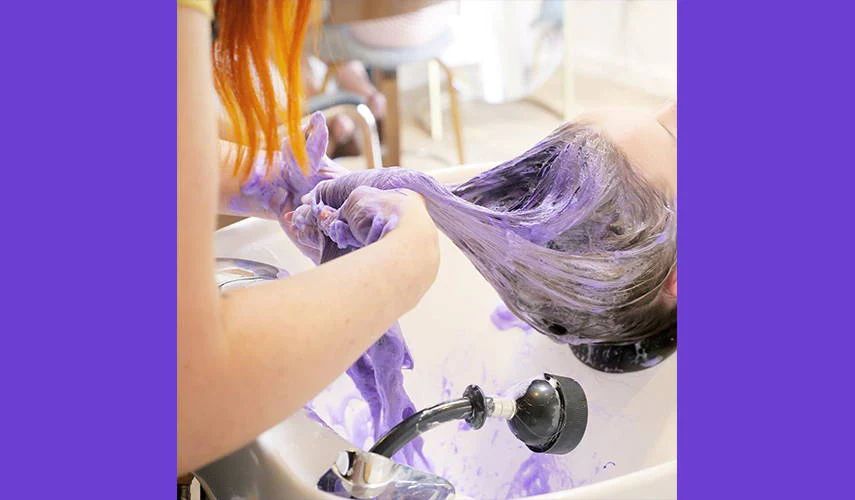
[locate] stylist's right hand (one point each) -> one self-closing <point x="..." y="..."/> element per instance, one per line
<point x="367" y="215"/>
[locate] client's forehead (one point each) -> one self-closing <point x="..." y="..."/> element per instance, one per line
<point x="647" y="145"/>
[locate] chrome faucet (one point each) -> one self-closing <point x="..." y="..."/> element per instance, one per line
<point x="363" y="474"/>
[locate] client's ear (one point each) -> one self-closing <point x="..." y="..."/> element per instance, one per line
<point x="671" y="283"/>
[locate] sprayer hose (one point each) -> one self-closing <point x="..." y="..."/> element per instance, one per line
<point x="419" y="423"/>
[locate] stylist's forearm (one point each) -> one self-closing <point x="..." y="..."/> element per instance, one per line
<point x="287" y="343"/>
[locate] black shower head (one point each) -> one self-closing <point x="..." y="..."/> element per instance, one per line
<point x="551" y="415"/>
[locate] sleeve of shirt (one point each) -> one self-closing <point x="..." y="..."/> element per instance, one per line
<point x="204" y="6"/>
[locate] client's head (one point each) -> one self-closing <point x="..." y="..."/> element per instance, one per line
<point x="590" y="225"/>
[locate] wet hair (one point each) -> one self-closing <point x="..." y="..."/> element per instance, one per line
<point x="576" y="242"/>
<point x="605" y="238"/>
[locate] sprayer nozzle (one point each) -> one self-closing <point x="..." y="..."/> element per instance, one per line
<point x="551" y="415"/>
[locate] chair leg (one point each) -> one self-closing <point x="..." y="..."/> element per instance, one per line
<point x="435" y="100"/>
<point x="392" y="122"/>
<point x="455" y="111"/>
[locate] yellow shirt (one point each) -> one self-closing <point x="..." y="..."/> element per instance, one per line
<point x="204" y="6"/>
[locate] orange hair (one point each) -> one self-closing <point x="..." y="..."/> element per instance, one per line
<point x="251" y="35"/>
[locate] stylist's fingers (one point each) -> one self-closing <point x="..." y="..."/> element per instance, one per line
<point x="327" y="192"/>
<point x="336" y="212"/>
<point x="303" y="230"/>
<point x="370" y="213"/>
<point x="366" y="199"/>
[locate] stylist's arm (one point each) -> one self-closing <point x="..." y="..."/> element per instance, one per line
<point x="250" y="358"/>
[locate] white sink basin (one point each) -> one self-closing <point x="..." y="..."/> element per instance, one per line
<point x="629" y="449"/>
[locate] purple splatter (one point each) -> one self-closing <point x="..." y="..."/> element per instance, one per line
<point x="504" y="319"/>
<point x="539" y="474"/>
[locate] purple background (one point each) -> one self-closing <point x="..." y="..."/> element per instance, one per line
<point x="88" y="182"/>
<point x="88" y="134"/>
<point x="765" y="263"/>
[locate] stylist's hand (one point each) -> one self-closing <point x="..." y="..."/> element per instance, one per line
<point x="366" y="216"/>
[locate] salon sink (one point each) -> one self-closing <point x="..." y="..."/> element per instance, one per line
<point x="629" y="449"/>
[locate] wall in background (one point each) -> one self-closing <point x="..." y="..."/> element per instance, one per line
<point x="633" y="42"/>
<point x="630" y="41"/>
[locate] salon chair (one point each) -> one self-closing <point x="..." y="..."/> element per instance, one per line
<point x="356" y="30"/>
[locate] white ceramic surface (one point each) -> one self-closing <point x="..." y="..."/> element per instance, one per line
<point x="629" y="449"/>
